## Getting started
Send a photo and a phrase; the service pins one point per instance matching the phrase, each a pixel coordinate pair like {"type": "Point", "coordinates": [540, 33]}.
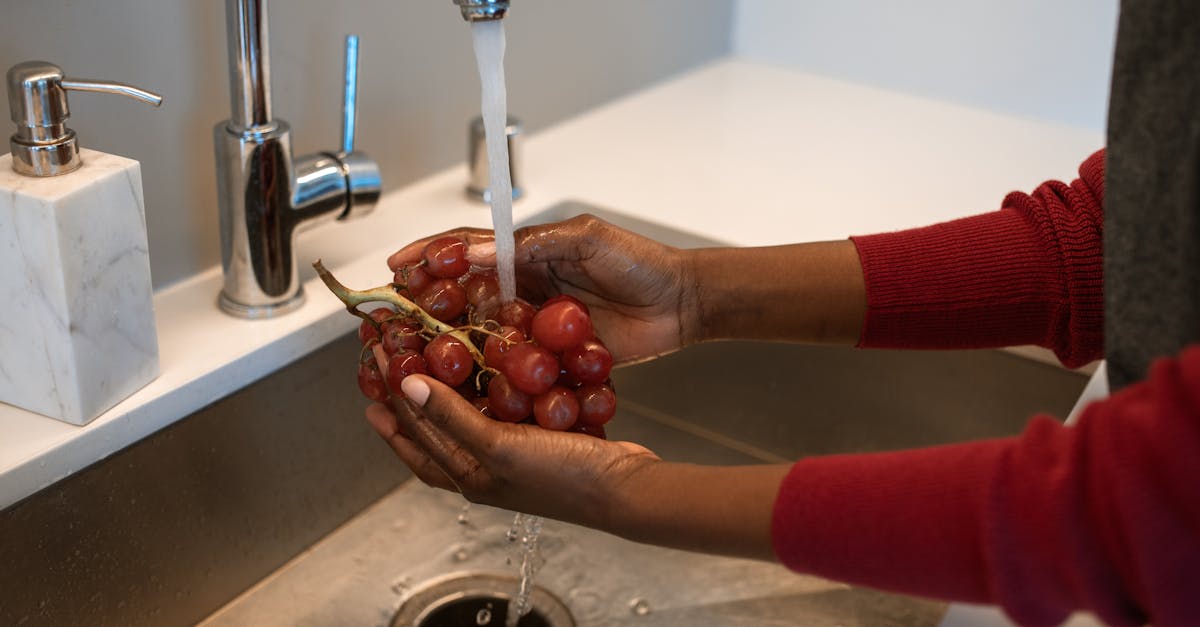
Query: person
{"type": "Point", "coordinates": [1102, 516]}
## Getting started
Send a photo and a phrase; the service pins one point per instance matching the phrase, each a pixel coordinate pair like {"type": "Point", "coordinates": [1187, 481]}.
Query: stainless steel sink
{"type": "Point", "coordinates": [278, 506]}
{"type": "Point", "coordinates": [363, 573]}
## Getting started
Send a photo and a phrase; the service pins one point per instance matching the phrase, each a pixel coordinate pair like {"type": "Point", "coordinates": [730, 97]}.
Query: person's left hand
{"type": "Point", "coordinates": [449, 444]}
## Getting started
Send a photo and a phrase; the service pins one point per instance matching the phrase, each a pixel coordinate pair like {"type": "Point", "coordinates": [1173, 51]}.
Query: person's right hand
{"type": "Point", "coordinates": [640, 292]}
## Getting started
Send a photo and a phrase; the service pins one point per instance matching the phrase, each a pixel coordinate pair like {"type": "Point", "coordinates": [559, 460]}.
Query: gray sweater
{"type": "Point", "coordinates": [1152, 181]}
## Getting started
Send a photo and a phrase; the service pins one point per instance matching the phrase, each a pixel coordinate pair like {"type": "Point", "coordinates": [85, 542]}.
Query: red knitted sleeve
{"type": "Point", "coordinates": [1103, 516]}
{"type": "Point", "coordinates": [1030, 273]}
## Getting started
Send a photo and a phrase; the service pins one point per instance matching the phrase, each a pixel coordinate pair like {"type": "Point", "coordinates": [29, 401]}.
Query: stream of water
{"type": "Point", "coordinates": [489, 55]}
{"type": "Point", "coordinates": [488, 38]}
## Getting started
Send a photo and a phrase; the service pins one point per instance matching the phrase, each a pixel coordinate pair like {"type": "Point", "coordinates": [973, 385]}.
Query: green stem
{"type": "Point", "coordinates": [385, 294]}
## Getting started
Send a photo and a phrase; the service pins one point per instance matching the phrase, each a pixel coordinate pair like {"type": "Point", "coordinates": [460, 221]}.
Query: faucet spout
{"type": "Point", "coordinates": [249, 65]}
{"type": "Point", "coordinates": [265, 194]}
{"type": "Point", "coordinates": [482, 10]}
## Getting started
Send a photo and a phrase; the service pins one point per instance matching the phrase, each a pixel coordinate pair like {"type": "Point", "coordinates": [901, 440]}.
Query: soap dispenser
{"type": "Point", "coordinates": [77, 332]}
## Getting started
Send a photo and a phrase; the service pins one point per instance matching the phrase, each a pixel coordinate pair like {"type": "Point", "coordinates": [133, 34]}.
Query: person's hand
{"type": "Point", "coordinates": [638, 290]}
{"type": "Point", "coordinates": [449, 444]}
{"type": "Point", "coordinates": [618, 487]}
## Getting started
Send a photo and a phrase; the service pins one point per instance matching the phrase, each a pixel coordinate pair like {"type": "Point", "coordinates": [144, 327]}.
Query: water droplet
{"type": "Point", "coordinates": [461, 553]}
{"type": "Point", "coordinates": [464, 516]}
{"type": "Point", "coordinates": [483, 617]}
{"type": "Point", "coordinates": [639, 607]}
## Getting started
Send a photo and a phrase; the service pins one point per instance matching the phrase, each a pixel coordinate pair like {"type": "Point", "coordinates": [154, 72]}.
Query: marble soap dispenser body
{"type": "Point", "coordinates": [77, 330]}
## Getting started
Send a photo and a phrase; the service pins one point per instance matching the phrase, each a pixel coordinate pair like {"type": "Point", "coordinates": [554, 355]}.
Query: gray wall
{"type": "Point", "coordinates": [418, 83]}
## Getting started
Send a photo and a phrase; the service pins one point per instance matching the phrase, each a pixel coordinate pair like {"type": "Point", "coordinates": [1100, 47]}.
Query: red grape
{"type": "Point", "coordinates": [482, 287]}
{"type": "Point", "coordinates": [446, 258]}
{"type": "Point", "coordinates": [444, 299]}
{"type": "Point", "coordinates": [589, 362]}
{"type": "Point", "coordinates": [496, 348]}
{"type": "Point", "coordinates": [568, 298]}
{"type": "Point", "coordinates": [516, 313]}
{"type": "Point", "coordinates": [400, 335]}
{"type": "Point", "coordinates": [506, 402]}
{"type": "Point", "coordinates": [531, 369]}
{"type": "Point", "coordinates": [557, 409]}
{"type": "Point", "coordinates": [561, 325]}
{"type": "Point", "coordinates": [400, 366]}
{"type": "Point", "coordinates": [448, 360]}
{"type": "Point", "coordinates": [370, 381]}
{"type": "Point", "coordinates": [368, 331]}
{"type": "Point", "coordinates": [597, 404]}
{"type": "Point", "coordinates": [414, 279]}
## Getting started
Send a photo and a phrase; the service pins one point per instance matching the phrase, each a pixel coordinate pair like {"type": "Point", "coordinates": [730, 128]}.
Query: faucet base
{"type": "Point", "coordinates": [260, 312]}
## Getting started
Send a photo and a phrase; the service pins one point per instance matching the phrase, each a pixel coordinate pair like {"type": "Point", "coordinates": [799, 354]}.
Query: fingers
{"type": "Point", "coordinates": [451, 414]}
{"type": "Point", "coordinates": [412, 252]}
{"type": "Point", "coordinates": [448, 429]}
{"type": "Point", "coordinates": [384, 422]}
{"type": "Point", "coordinates": [569, 240]}
{"type": "Point", "coordinates": [558, 241]}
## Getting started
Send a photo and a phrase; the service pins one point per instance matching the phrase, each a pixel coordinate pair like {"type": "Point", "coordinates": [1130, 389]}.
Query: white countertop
{"type": "Point", "coordinates": [738, 152]}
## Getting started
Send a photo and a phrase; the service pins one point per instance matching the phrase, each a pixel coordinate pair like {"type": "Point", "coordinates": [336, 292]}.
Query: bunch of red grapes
{"type": "Point", "coordinates": [539, 364]}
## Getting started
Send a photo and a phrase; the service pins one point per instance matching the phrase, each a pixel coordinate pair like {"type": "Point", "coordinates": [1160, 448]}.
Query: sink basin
{"type": "Point", "coordinates": [277, 505]}
{"type": "Point", "coordinates": [365, 572]}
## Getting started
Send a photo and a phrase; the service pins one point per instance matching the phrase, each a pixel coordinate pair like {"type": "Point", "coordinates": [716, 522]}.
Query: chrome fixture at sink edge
{"type": "Point", "coordinates": [482, 10]}
{"type": "Point", "coordinates": [265, 194]}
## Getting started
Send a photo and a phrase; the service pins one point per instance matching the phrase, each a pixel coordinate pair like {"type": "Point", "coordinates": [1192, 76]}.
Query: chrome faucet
{"type": "Point", "coordinates": [482, 10]}
{"type": "Point", "coordinates": [265, 194]}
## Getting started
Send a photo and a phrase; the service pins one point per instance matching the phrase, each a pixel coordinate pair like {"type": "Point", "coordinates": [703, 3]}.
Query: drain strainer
{"type": "Point", "coordinates": [477, 600]}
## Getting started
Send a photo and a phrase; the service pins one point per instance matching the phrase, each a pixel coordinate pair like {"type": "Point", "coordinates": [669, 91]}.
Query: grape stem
{"type": "Point", "coordinates": [352, 299]}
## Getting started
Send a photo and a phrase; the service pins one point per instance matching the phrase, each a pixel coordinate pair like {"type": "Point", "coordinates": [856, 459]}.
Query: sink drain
{"type": "Point", "coordinates": [477, 600]}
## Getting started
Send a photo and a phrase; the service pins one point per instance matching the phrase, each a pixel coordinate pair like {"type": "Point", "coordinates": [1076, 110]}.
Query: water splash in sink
{"type": "Point", "coordinates": [526, 530]}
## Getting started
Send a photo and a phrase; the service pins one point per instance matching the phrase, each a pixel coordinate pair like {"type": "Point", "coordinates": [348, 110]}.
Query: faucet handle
{"type": "Point", "coordinates": [362, 173]}
{"type": "Point", "coordinates": [350, 94]}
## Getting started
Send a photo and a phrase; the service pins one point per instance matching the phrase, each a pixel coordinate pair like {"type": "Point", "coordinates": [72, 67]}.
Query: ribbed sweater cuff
{"type": "Point", "coordinates": [1030, 273]}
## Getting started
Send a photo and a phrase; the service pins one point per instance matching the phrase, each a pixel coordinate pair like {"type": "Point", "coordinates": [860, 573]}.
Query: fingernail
{"type": "Point", "coordinates": [416, 389]}
{"type": "Point", "coordinates": [482, 253]}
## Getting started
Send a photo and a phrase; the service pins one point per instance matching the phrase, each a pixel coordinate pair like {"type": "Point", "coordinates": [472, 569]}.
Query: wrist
{"type": "Point", "coordinates": [620, 491]}
{"type": "Point", "coordinates": [692, 329]}
{"type": "Point", "coordinates": [800, 292]}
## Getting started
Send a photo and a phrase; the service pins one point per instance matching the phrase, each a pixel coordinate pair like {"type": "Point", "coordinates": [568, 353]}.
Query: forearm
{"type": "Point", "coordinates": [712, 509]}
{"type": "Point", "coordinates": [801, 292]}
